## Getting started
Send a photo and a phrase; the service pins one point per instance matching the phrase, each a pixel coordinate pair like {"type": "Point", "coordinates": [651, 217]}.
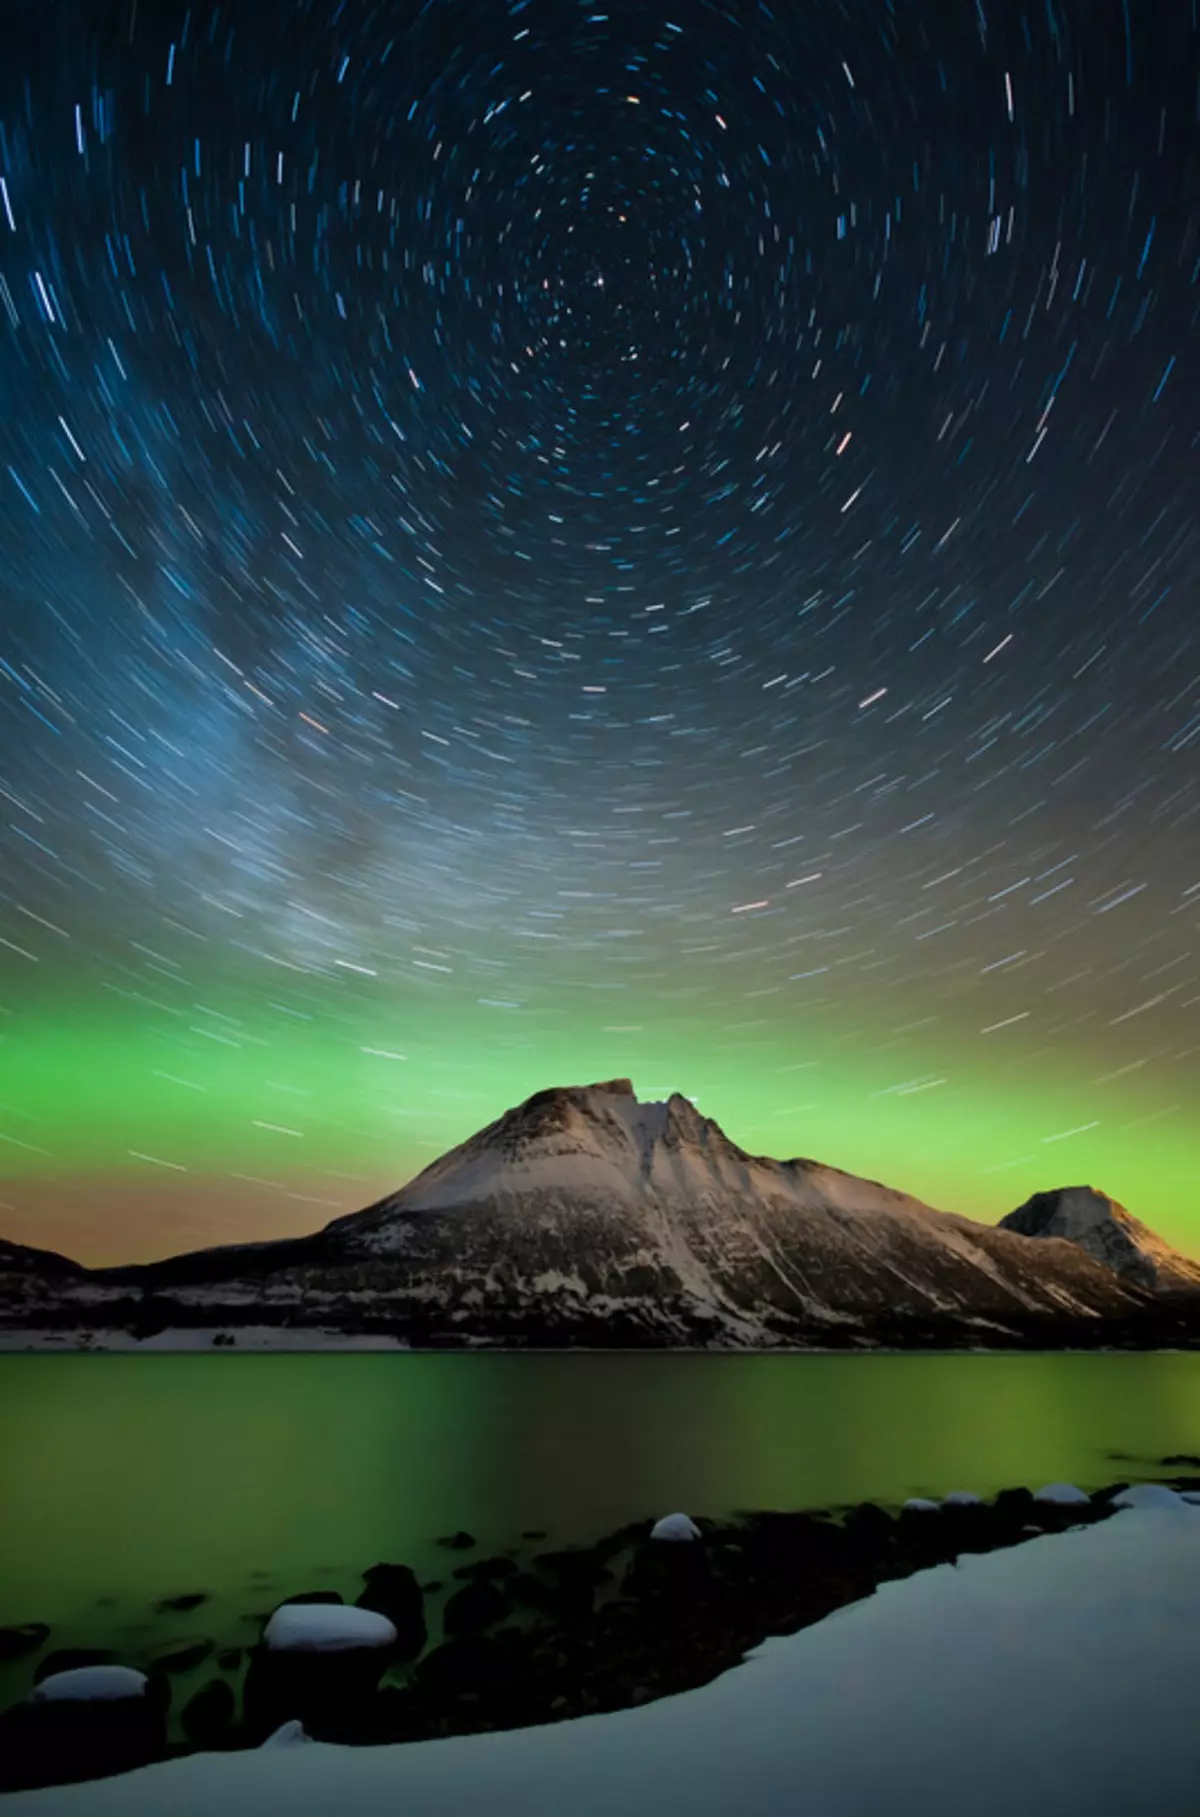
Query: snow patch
{"type": "Point", "coordinates": [91, 1684]}
{"type": "Point", "coordinates": [933, 1671]}
{"type": "Point", "coordinates": [1149, 1495]}
{"type": "Point", "coordinates": [675, 1527]}
{"type": "Point", "coordinates": [1062, 1495]}
{"type": "Point", "coordinates": [326, 1628]}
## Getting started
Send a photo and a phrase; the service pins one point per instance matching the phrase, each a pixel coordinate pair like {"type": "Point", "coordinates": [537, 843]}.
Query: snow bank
{"type": "Point", "coordinates": [326, 1628]}
{"type": "Point", "coordinates": [1062, 1495]}
{"type": "Point", "coordinates": [961, 1498]}
{"type": "Point", "coordinates": [675, 1527]}
{"type": "Point", "coordinates": [918, 1504]}
{"type": "Point", "coordinates": [918, 1699]}
{"type": "Point", "coordinates": [91, 1684]}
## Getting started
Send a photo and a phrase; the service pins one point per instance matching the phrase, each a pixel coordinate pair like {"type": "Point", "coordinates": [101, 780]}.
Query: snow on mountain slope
{"type": "Point", "coordinates": [590, 1174]}
{"type": "Point", "coordinates": [585, 1217]}
{"type": "Point", "coordinates": [1105, 1230]}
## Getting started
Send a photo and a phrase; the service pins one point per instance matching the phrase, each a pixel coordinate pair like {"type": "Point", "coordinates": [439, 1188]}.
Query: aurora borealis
{"type": "Point", "coordinates": [541, 542]}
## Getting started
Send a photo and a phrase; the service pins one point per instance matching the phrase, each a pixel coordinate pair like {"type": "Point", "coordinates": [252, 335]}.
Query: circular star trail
{"type": "Point", "coordinates": [541, 542]}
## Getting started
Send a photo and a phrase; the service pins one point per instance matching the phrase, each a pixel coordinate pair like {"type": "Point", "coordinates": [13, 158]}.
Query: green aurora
{"type": "Point", "coordinates": [290, 1117]}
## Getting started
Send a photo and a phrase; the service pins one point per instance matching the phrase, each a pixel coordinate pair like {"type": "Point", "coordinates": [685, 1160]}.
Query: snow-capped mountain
{"type": "Point", "coordinates": [1107, 1231]}
{"type": "Point", "coordinates": [584, 1217]}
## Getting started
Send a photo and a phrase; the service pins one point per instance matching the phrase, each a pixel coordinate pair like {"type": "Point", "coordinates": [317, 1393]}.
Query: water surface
{"type": "Point", "coordinates": [124, 1480]}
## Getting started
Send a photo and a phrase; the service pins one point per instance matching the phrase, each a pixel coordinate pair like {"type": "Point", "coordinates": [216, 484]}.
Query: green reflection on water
{"type": "Point", "coordinates": [128, 1479]}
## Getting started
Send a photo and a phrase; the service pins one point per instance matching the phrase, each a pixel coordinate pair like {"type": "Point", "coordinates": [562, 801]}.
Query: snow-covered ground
{"type": "Point", "coordinates": [1054, 1680]}
{"type": "Point", "coordinates": [248, 1337]}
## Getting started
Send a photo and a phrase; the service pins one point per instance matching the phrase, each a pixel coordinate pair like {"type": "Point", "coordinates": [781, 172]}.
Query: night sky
{"type": "Point", "coordinates": [539, 543]}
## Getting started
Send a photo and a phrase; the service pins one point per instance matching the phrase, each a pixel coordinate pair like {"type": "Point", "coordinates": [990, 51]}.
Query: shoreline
{"type": "Point", "coordinates": [261, 1340]}
{"type": "Point", "coordinates": [533, 1636]}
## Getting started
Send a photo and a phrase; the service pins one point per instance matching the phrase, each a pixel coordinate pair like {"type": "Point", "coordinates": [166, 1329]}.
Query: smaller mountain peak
{"type": "Point", "coordinates": [1093, 1222]}
{"type": "Point", "coordinates": [614, 1088]}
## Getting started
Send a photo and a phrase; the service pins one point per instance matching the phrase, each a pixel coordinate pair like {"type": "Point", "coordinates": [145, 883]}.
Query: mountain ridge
{"type": "Point", "coordinates": [583, 1216]}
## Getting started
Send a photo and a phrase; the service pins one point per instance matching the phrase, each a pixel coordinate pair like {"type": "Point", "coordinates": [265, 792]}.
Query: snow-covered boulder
{"type": "Point", "coordinates": [91, 1684]}
{"type": "Point", "coordinates": [919, 1504]}
{"type": "Point", "coordinates": [1062, 1495]}
{"type": "Point", "coordinates": [675, 1527]}
{"type": "Point", "coordinates": [326, 1628]}
{"type": "Point", "coordinates": [318, 1664]}
{"type": "Point", "coordinates": [961, 1498]}
{"type": "Point", "coordinates": [83, 1723]}
{"type": "Point", "coordinates": [1149, 1495]}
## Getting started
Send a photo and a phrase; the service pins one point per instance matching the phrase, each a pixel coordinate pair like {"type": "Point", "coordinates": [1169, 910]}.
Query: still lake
{"type": "Point", "coordinates": [124, 1480]}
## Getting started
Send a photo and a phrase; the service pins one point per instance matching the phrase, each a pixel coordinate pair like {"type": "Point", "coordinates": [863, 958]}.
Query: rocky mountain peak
{"type": "Point", "coordinates": [1105, 1230]}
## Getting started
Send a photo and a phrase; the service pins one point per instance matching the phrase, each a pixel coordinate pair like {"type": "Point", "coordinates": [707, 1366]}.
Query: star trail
{"type": "Point", "coordinates": [539, 542]}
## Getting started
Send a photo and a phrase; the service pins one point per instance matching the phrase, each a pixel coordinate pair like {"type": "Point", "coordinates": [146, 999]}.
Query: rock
{"type": "Point", "coordinates": [68, 1659]}
{"type": "Point", "coordinates": [393, 1590]}
{"type": "Point", "coordinates": [180, 1604]}
{"type": "Point", "coordinates": [320, 1664]}
{"type": "Point", "coordinates": [432, 1587]}
{"type": "Point", "coordinates": [536, 1532]}
{"type": "Point", "coordinates": [961, 1498]}
{"type": "Point", "coordinates": [26, 1638]}
{"type": "Point", "coordinates": [466, 1665]}
{"type": "Point", "coordinates": [675, 1528]}
{"type": "Point", "coordinates": [457, 1542]}
{"type": "Point", "coordinates": [488, 1567]}
{"type": "Point", "coordinates": [208, 1716]}
{"type": "Point", "coordinates": [532, 1592]}
{"type": "Point", "coordinates": [83, 1722]}
{"type": "Point", "coordinates": [669, 1573]}
{"type": "Point", "coordinates": [868, 1525]}
{"type": "Point", "coordinates": [180, 1655]}
{"type": "Point", "coordinates": [1182, 1457]}
{"type": "Point", "coordinates": [1014, 1504]}
{"type": "Point", "coordinates": [477, 1606]}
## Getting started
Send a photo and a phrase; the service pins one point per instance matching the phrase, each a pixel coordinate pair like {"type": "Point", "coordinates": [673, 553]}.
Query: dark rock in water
{"type": "Point", "coordinates": [1015, 1504]}
{"type": "Point", "coordinates": [579, 1563]}
{"type": "Point", "coordinates": [477, 1606]}
{"type": "Point", "coordinates": [533, 1533]}
{"type": "Point", "coordinates": [208, 1716]}
{"type": "Point", "coordinates": [324, 1691]}
{"type": "Point", "coordinates": [457, 1542]}
{"type": "Point", "coordinates": [14, 1642]}
{"type": "Point", "coordinates": [468, 1664]}
{"type": "Point", "coordinates": [180, 1655]}
{"type": "Point", "coordinates": [1182, 1457]}
{"type": "Point", "coordinates": [393, 1590]}
{"type": "Point", "coordinates": [180, 1604]}
{"type": "Point", "coordinates": [230, 1658]}
{"type": "Point", "coordinates": [311, 1596]}
{"type": "Point", "coordinates": [869, 1525]}
{"type": "Point", "coordinates": [577, 1574]}
{"type": "Point", "coordinates": [665, 1573]}
{"type": "Point", "coordinates": [533, 1592]}
{"type": "Point", "coordinates": [488, 1567]}
{"type": "Point", "coordinates": [65, 1659]}
{"type": "Point", "coordinates": [432, 1587]}
{"type": "Point", "coordinates": [59, 1742]}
